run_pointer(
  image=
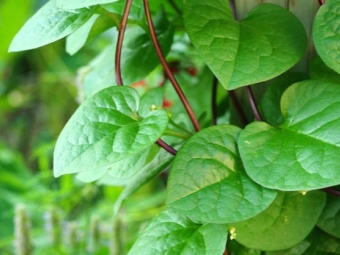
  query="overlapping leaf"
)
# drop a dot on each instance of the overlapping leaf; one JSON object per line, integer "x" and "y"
{"x": 299, "y": 154}
{"x": 170, "y": 233}
{"x": 47, "y": 25}
{"x": 330, "y": 218}
{"x": 207, "y": 181}
{"x": 269, "y": 41}
{"x": 105, "y": 130}
{"x": 285, "y": 223}
{"x": 326, "y": 34}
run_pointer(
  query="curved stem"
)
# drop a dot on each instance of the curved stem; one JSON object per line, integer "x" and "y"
{"x": 233, "y": 8}
{"x": 321, "y": 2}
{"x": 120, "y": 42}
{"x": 213, "y": 101}
{"x": 253, "y": 104}
{"x": 166, "y": 146}
{"x": 332, "y": 191}
{"x": 167, "y": 69}
{"x": 238, "y": 107}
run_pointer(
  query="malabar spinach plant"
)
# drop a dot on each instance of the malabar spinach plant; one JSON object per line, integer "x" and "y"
{"x": 238, "y": 110}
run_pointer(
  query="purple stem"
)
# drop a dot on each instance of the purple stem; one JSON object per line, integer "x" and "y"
{"x": 119, "y": 46}
{"x": 238, "y": 107}
{"x": 253, "y": 104}
{"x": 166, "y": 147}
{"x": 233, "y": 8}
{"x": 167, "y": 70}
{"x": 332, "y": 191}
{"x": 321, "y": 2}
{"x": 213, "y": 102}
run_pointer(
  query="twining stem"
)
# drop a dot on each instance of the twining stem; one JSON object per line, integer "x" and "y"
{"x": 167, "y": 70}
{"x": 119, "y": 46}
{"x": 238, "y": 107}
{"x": 213, "y": 101}
{"x": 321, "y": 2}
{"x": 166, "y": 146}
{"x": 332, "y": 191}
{"x": 253, "y": 104}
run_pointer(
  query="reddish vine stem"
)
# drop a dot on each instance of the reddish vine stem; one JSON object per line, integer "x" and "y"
{"x": 167, "y": 70}
{"x": 233, "y": 8}
{"x": 253, "y": 104}
{"x": 119, "y": 45}
{"x": 332, "y": 191}
{"x": 238, "y": 107}
{"x": 213, "y": 101}
{"x": 321, "y": 2}
{"x": 166, "y": 147}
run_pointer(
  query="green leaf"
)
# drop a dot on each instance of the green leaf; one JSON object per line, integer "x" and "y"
{"x": 207, "y": 181}
{"x": 123, "y": 169}
{"x": 47, "y": 25}
{"x": 319, "y": 71}
{"x": 326, "y": 34}
{"x": 105, "y": 129}
{"x": 330, "y": 217}
{"x": 76, "y": 4}
{"x": 96, "y": 25}
{"x": 270, "y": 103}
{"x": 153, "y": 97}
{"x": 285, "y": 223}
{"x": 234, "y": 248}
{"x": 268, "y": 42}
{"x": 299, "y": 154}
{"x": 322, "y": 244}
{"x": 162, "y": 160}
{"x": 298, "y": 249}
{"x": 173, "y": 234}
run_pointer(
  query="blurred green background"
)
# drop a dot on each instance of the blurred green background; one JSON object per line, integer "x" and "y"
{"x": 37, "y": 96}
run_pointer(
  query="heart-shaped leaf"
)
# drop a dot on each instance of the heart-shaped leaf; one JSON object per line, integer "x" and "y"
{"x": 47, "y": 25}
{"x": 105, "y": 129}
{"x": 330, "y": 217}
{"x": 326, "y": 34}
{"x": 299, "y": 154}
{"x": 269, "y": 41}
{"x": 207, "y": 182}
{"x": 285, "y": 223}
{"x": 170, "y": 233}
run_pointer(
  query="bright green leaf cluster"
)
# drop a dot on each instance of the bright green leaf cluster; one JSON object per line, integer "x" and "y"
{"x": 251, "y": 188}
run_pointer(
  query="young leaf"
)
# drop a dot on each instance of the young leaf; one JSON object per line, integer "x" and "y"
{"x": 270, "y": 103}
{"x": 105, "y": 129}
{"x": 330, "y": 217}
{"x": 162, "y": 160}
{"x": 268, "y": 42}
{"x": 96, "y": 25}
{"x": 47, "y": 25}
{"x": 285, "y": 223}
{"x": 77, "y": 4}
{"x": 326, "y": 34}
{"x": 173, "y": 234}
{"x": 207, "y": 181}
{"x": 299, "y": 154}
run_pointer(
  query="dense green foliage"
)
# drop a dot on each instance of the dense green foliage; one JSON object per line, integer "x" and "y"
{"x": 237, "y": 120}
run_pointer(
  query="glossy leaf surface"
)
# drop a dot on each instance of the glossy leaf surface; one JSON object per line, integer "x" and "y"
{"x": 105, "y": 129}
{"x": 299, "y": 154}
{"x": 76, "y": 4}
{"x": 173, "y": 234}
{"x": 326, "y": 34}
{"x": 285, "y": 223}
{"x": 207, "y": 181}
{"x": 48, "y": 25}
{"x": 249, "y": 51}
